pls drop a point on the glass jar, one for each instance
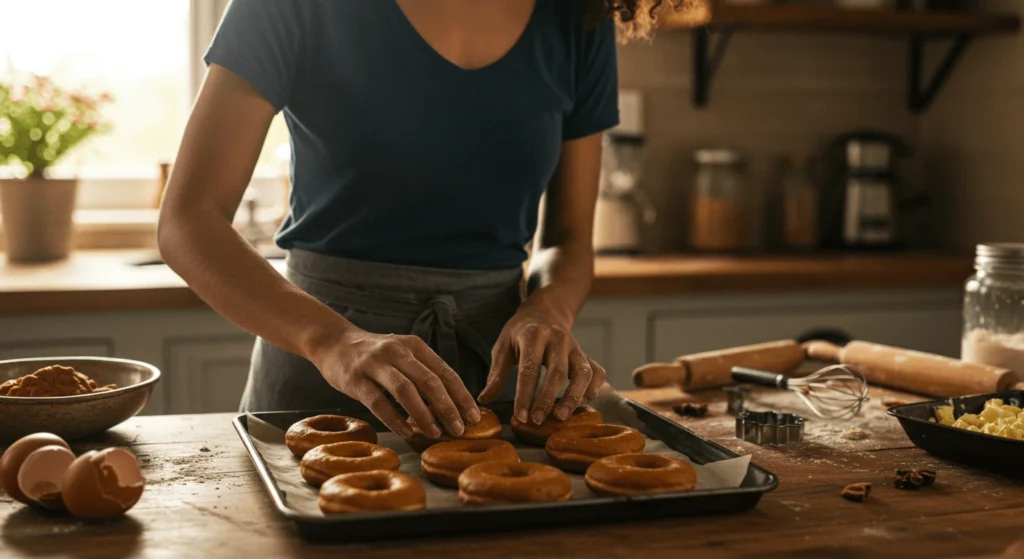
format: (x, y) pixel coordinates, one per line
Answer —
(720, 220)
(994, 308)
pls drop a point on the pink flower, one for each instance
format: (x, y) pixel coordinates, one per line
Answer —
(106, 97)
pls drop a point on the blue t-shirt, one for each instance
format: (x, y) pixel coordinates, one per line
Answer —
(400, 156)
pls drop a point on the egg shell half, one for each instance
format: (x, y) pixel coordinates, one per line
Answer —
(15, 456)
(103, 484)
(41, 476)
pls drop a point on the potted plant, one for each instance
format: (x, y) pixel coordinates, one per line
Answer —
(40, 123)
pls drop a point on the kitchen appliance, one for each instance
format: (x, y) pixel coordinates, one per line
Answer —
(622, 206)
(859, 190)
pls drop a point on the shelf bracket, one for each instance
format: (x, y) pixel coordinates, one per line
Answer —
(706, 60)
(920, 94)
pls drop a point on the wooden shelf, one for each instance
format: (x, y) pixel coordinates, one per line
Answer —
(831, 18)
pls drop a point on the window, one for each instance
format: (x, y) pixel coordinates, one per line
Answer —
(146, 53)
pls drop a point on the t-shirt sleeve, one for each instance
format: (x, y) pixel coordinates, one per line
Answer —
(260, 41)
(596, 106)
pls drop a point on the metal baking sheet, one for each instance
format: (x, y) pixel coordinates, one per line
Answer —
(443, 517)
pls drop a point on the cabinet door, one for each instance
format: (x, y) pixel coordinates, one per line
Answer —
(66, 347)
(594, 337)
(207, 375)
(931, 329)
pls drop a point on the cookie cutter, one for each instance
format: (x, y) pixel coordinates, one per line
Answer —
(769, 428)
(735, 398)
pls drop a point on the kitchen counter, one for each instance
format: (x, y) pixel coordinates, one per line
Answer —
(111, 280)
(203, 499)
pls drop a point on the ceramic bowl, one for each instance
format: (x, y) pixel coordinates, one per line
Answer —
(76, 417)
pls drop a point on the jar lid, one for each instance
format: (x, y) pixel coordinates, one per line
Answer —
(718, 156)
(1000, 254)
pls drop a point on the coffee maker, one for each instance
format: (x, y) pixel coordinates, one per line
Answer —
(860, 190)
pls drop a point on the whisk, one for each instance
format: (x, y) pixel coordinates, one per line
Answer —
(835, 392)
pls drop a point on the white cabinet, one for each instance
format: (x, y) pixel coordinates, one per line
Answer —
(206, 375)
(205, 359)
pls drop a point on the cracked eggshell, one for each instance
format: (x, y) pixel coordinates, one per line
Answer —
(41, 477)
(15, 456)
(103, 484)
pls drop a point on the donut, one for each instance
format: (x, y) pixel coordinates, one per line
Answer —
(443, 462)
(328, 460)
(576, 448)
(495, 483)
(640, 474)
(487, 428)
(377, 490)
(314, 431)
(537, 435)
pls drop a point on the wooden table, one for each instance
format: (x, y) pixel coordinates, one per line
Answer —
(203, 499)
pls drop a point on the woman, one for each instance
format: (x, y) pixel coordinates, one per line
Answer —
(424, 133)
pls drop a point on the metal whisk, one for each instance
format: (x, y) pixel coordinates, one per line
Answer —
(835, 392)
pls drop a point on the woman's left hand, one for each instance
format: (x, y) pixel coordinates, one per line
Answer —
(538, 334)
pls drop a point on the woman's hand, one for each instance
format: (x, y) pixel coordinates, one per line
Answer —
(361, 364)
(538, 334)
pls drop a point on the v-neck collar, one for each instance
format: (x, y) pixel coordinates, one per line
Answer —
(520, 43)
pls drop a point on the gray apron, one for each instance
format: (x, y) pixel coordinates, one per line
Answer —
(458, 313)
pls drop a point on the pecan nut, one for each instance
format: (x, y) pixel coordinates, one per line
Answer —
(856, 492)
(913, 478)
(690, 409)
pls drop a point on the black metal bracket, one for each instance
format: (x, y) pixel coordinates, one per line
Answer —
(920, 94)
(706, 60)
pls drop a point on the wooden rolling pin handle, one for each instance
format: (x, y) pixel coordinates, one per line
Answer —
(656, 375)
(823, 351)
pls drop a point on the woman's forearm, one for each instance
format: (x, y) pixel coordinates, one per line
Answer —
(560, 276)
(230, 276)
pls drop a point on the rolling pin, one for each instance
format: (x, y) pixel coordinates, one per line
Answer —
(913, 371)
(713, 369)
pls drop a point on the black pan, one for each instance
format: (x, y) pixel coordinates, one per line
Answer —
(989, 452)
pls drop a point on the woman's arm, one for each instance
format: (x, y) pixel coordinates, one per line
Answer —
(561, 271)
(220, 148)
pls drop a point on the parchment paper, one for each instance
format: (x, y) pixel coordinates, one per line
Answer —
(302, 497)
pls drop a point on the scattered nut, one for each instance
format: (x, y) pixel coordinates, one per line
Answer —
(856, 492)
(689, 409)
(913, 478)
(855, 434)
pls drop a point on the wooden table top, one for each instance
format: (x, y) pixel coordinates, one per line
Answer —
(109, 280)
(203, 499)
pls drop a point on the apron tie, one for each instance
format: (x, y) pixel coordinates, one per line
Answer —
(437, 323)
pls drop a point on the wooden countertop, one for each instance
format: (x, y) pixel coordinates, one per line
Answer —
(110, 280)
(203, 499)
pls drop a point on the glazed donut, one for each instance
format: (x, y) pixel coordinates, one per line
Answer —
(371, 491)
(487, 428)
(443, 462)
(639, 474)
(495, 483)
(576, 448)
(537, 435)
(328, 460)
(314, 431)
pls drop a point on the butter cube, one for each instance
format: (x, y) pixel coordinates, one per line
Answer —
(991, 428)
(973, 428)
(995, 402)
(944, 415)
(991, 413)
(971, 419)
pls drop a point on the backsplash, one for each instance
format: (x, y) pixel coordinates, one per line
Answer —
(773, 94)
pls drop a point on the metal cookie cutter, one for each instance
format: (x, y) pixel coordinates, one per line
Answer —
(769, 428)
(735, 398)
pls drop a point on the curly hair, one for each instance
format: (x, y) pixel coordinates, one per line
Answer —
(636, 19)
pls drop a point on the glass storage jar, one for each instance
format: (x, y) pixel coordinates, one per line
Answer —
(994, 308)
(720, 201)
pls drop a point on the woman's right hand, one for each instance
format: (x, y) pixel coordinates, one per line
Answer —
(362, 365)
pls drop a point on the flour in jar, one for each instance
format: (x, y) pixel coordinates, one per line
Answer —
(994, 348)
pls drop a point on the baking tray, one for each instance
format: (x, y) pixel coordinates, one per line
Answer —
(456, 520)
(989, 452)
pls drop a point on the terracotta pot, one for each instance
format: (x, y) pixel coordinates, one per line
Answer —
(37, 218)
